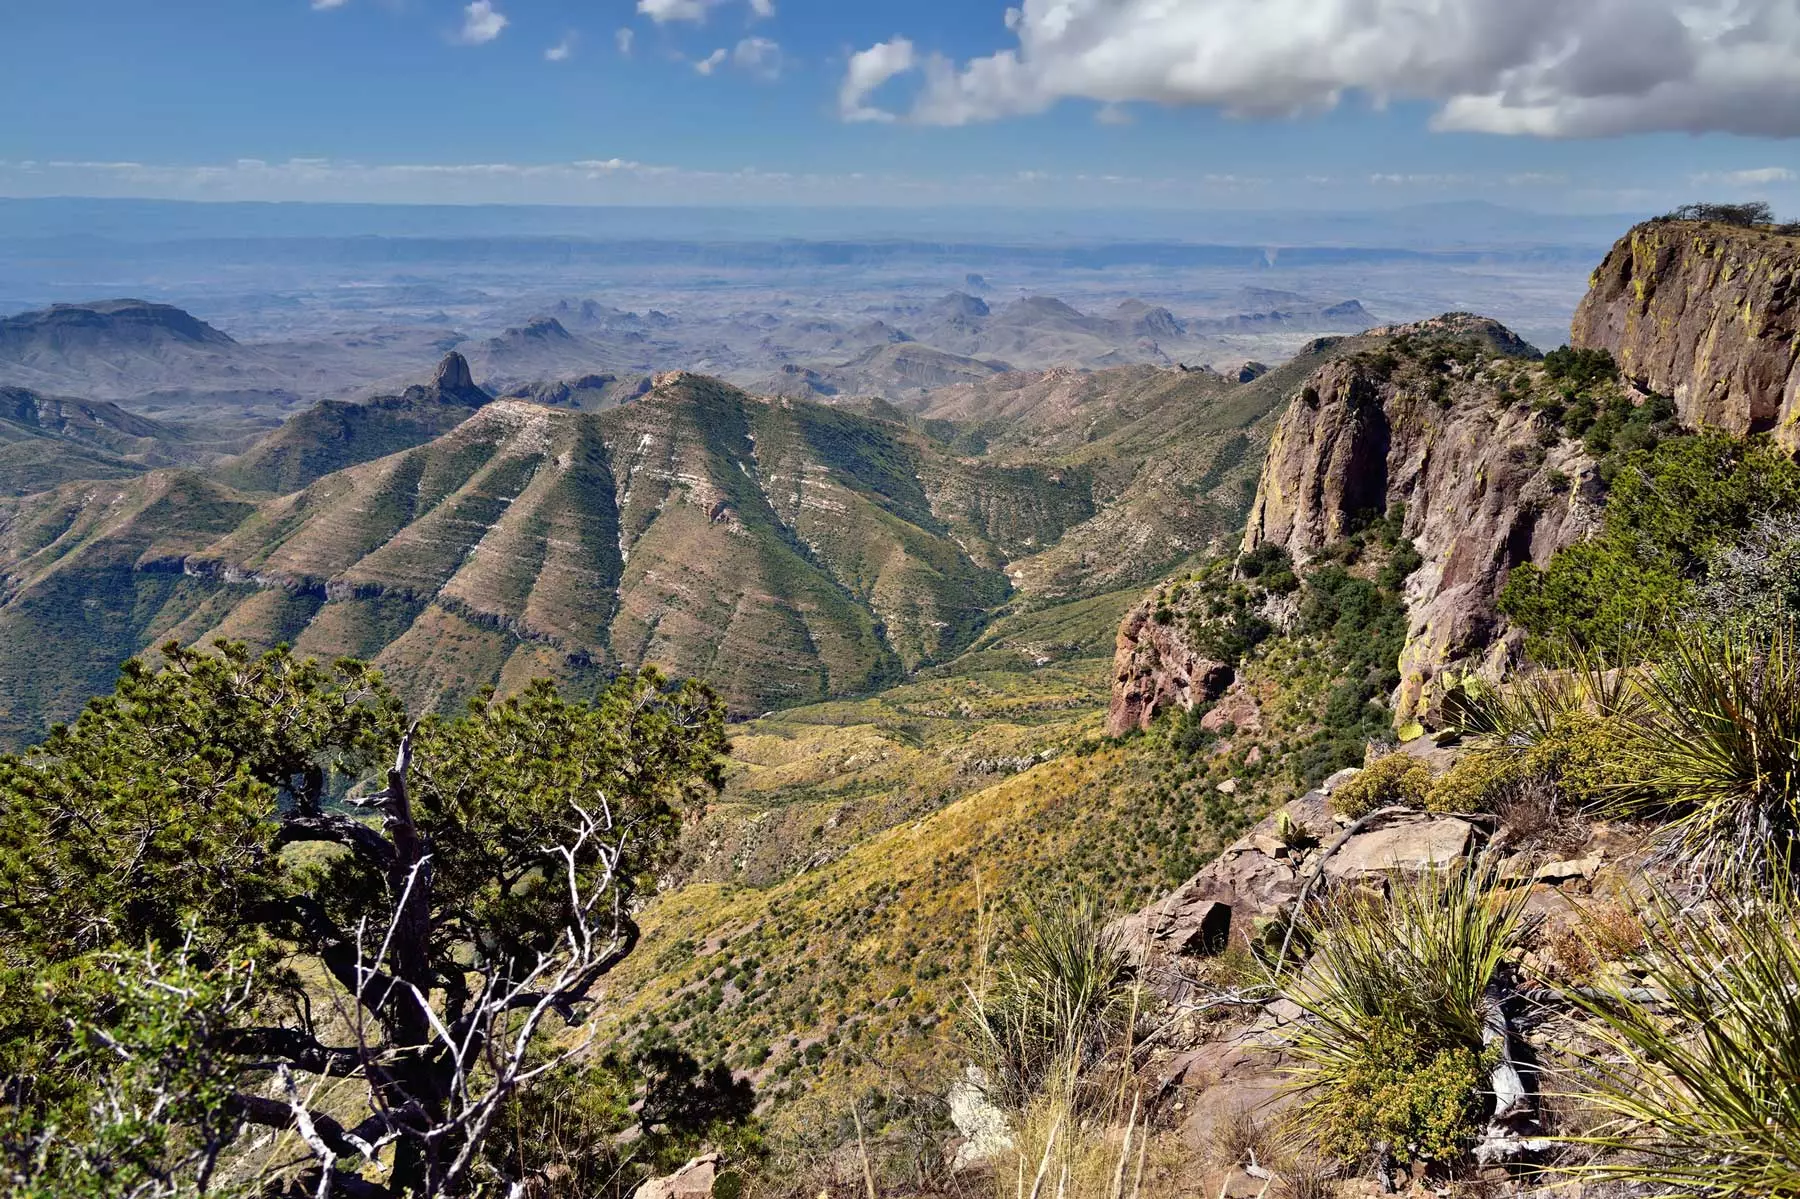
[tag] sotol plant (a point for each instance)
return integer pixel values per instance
(1393, 1058)
(1704, 1089)
(1718, 757)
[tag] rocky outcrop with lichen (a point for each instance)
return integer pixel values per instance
(1156, 669)
(1427, 419)
(1432, 424)
(1706, 313)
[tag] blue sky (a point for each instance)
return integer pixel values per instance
(1212, 103)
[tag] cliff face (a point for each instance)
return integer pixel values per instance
(1706, 313)
(1405, 420)
(1482, 494)
(1155, 670)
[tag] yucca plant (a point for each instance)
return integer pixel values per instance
(1533, 706)
(1704, 1089)
(1051, 1008)
(1393, 1057)
(1718, 758)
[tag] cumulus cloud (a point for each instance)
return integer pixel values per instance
(322, 5)
(1548, 68)
(482, 23)
(664, 11)
(625, 39)
(867, 72)
(712, 62)
(562, 51)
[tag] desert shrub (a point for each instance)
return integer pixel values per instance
(1717, 760)
(1422, 1102)
(1391, 1057)
(1397, 780)
(1580, 368)
(1048, 1013)
(1756, 580)
(1704, 1094)
(1579, 761)
(1670, 512)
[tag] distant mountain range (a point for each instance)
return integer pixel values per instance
(163, 362)
(787, 550)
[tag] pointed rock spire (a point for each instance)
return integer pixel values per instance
(453, 373)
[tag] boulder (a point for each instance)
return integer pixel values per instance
(693, 1181)
(1415, 845)
(983, 1126)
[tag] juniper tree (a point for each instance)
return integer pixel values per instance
(201, 835)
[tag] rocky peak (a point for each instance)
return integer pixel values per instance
(1421, 418)
(453, 374)
(1482, 493)
(1706, 313)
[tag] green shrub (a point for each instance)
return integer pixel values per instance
(1704, 1095)
(1670, 511)
(1718, 758)
(1423, 1104)
(1581, 761)
(1392, 1052)
(1398, 780)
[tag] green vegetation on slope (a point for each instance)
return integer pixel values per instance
(1692, 528)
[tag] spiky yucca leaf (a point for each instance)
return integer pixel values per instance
(1705, 1091)
(1410, 973)
(1718, 757)
(1052, 1007)
(1531, 707)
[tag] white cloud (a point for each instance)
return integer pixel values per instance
(867, 72)
(712, 62)
(323, 5)
(1753, 177)
(664, 11)
(482, 23)
(758, 56)
(562, 51)
(625, 39)
(1548, 68)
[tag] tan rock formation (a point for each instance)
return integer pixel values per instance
(1482, 494)
(1708, 314)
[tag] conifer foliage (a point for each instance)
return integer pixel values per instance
(202, 895)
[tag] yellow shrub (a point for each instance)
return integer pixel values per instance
(1581, 757)
(1396, 780)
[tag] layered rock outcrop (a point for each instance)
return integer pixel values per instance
(1155, 670)
(1708, 314)
(1482, 492)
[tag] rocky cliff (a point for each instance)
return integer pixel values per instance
(1428, 421)
(1706, 313)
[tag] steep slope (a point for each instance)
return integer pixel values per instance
(1708, 314)
(333, 434)
(1173, 456)
(784, 551)
(91, 573)
(1432, 427)
(47, 440)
